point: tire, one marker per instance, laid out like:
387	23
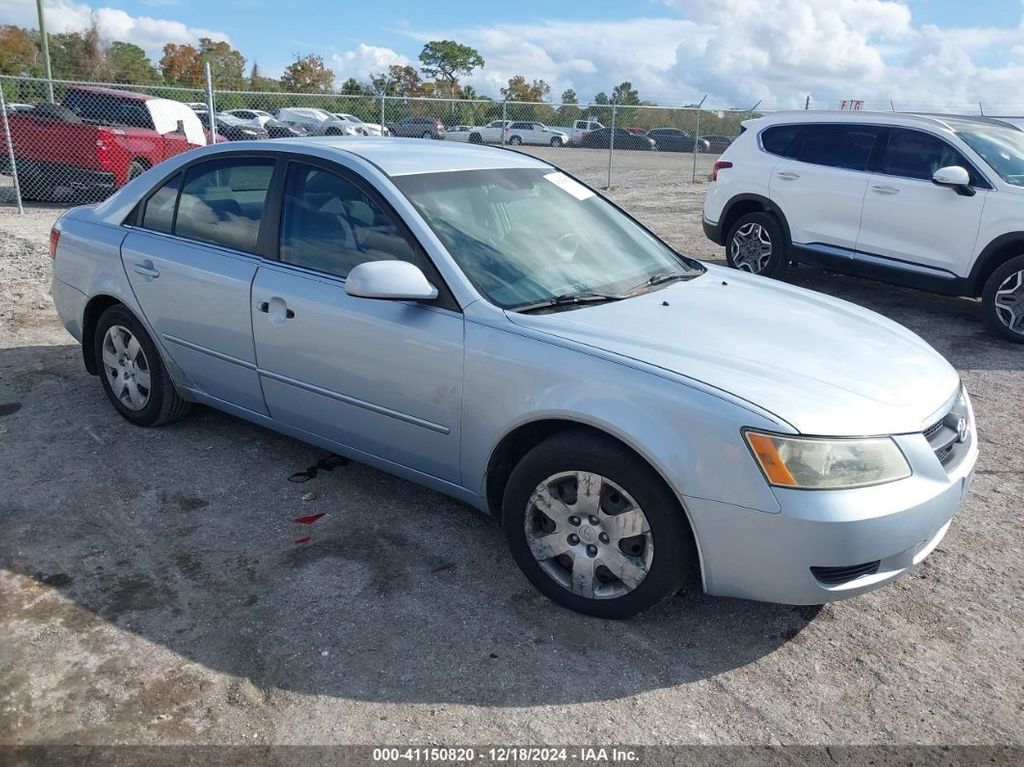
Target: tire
162	404
34	187
756	244
427	134
556	142
136	169
1003	300
474	138
332	132
577	577
515	140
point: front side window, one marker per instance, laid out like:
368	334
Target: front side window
1002	148
222	202
912	154
329	224
524	236
838	146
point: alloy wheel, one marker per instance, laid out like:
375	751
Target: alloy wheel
751	248
1009	302
126	367
589	535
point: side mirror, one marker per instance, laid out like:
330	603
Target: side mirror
389	280
954	177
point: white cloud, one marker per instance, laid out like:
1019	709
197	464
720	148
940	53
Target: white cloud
113	24
365	60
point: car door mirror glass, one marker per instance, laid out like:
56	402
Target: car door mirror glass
389	280
954	177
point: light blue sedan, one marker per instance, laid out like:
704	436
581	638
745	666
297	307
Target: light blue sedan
477	321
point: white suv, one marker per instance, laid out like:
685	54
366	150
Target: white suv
927	201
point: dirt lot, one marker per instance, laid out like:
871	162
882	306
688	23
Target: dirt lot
152	592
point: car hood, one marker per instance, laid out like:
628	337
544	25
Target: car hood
825	366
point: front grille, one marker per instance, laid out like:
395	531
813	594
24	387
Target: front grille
837	576
943	435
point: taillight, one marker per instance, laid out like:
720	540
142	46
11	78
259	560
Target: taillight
54	239
719	165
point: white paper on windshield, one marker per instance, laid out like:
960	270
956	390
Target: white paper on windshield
566	184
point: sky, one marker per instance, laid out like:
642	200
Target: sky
914	53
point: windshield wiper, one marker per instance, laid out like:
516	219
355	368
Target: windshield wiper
659	279
569	299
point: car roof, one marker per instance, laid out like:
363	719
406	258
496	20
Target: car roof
403	157
127	95
950	122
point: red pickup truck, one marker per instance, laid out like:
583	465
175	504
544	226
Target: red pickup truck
95	141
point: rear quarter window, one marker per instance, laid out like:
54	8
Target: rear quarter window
781	139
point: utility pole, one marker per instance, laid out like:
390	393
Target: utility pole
46	50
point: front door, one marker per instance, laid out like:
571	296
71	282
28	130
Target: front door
382	377
193	287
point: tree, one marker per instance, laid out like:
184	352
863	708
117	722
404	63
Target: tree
625	93
446	60
258	82
399	80
128	63
569	96
76	55
227	66
18	52
308	74
352	87
520	90
181	65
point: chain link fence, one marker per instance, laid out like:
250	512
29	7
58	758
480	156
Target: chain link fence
92	138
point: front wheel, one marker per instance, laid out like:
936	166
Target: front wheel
133	375
756	244
594	528
556	142
427	134
1003	300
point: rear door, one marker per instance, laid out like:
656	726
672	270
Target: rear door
821	187
191	260
908	218
383	377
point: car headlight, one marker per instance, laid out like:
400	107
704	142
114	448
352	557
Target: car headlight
815	463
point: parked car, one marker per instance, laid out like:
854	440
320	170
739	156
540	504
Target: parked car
514	340
317	122
277	129
535	134
675	140
580	128
255	118
418	127
929	202
602	139
360	127
232	128
495	132
95	141
718	144
458	133
14	106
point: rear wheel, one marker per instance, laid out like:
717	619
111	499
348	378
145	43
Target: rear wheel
474	138
136	169
594	528
1003	300
132	373
756	244
515	141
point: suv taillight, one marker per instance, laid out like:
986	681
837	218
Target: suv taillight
719	165
54	239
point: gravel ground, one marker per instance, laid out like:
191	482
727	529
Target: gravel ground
151	591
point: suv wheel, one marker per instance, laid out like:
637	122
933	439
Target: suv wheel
756	244
515	141
594	528
1003	300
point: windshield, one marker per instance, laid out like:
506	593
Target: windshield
1002	148
524	236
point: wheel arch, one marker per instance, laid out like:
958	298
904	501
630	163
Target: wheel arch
995	254
90	317
742	204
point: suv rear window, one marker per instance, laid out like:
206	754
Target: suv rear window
838	146
781	139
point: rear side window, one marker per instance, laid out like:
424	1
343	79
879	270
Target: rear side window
838	146
913	154
159	212
781	139
222	202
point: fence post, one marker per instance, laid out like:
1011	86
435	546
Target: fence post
46	50
209	105
696	140
504	119
10	148
611	149
383	96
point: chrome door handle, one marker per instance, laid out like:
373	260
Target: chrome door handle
146	269
788	175
885	189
